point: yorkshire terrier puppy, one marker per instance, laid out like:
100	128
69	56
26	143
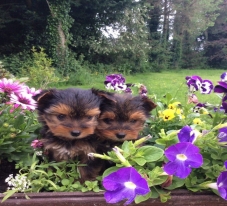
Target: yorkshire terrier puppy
122	118
69	119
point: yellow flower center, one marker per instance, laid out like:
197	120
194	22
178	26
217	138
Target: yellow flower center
181	157
130	185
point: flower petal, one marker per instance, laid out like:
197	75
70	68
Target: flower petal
186	135
221	88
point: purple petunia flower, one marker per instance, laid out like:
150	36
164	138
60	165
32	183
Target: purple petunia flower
125	183
24	100
222	136
224	77
182	157
9	86
222	185
115	82
196	83
186	134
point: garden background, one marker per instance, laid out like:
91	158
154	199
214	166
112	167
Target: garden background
75	43
78	42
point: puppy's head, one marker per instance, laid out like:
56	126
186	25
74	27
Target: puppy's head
70	113
122	116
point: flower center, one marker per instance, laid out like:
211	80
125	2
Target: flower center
181	157
130	185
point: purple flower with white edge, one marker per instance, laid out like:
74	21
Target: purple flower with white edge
196	83
206	87
125	183
222	136
9	86
187	134
115	82
224	77
23	100
182	157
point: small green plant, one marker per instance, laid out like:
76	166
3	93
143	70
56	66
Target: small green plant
40	70
37	175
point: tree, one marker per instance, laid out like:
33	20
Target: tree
216	40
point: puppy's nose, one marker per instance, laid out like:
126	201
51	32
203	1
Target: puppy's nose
75	133
120	135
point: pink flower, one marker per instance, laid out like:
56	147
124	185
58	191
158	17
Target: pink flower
9	86
32	90
23	100
192	98
36	144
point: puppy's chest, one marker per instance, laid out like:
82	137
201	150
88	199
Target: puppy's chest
60	150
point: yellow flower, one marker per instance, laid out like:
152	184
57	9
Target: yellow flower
174	105
197	121
168	114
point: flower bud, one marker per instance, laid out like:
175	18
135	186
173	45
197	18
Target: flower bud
13	135
5	125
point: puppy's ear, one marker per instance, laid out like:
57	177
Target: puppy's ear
43	98
148	104
104	95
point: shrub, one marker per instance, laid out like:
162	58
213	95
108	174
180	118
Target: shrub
39	70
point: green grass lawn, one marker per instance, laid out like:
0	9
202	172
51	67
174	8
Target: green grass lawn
167	81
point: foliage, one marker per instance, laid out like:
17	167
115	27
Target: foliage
18	128
200	127
4	73
39	70
15	62
40	176
17	131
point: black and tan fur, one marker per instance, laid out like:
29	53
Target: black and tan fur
69	119
122	118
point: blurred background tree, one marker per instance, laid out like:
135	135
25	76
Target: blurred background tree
124	36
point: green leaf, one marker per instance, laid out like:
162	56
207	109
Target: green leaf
18	121
176	183
140	161
50	182
141	198
65	182
109	170
151	153
8	194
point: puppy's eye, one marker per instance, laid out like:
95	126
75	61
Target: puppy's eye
107	120
89	117
133	121
61	117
